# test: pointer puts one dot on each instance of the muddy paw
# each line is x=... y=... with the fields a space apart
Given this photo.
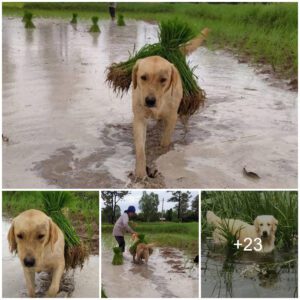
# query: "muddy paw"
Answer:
x=152 y=173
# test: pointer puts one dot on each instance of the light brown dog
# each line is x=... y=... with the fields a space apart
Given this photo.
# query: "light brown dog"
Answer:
x=143 y=251
x=157 y=93
x=39 y=243
x=264 y=229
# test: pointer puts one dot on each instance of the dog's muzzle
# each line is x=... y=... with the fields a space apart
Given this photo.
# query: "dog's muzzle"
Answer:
x=150 y=101
x=265 y=234
x=29 y=262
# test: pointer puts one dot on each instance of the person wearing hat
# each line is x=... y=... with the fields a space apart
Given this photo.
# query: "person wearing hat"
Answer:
x=121 y=227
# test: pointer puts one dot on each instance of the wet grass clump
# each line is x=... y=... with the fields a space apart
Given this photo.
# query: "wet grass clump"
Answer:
x=27 y=19
x=74 y=18
x=118 y=256
x=95 y=27
x=246 y=206
x=174 y=35
x=120 y=20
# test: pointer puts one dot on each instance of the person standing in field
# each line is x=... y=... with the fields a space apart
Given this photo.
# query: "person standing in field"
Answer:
x=112 y=9
x=121 y=227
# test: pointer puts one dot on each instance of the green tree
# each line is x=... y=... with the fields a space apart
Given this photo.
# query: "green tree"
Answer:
x=111 y=200
x=182 y=202
x=169 y=215
x=148 y=205
x=195 y=207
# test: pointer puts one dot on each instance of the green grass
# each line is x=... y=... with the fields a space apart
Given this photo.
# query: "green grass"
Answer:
x=247 y=206
x=179 y=235
x=262 y=33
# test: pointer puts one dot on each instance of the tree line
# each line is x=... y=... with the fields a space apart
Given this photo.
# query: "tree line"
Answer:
x=152 y=208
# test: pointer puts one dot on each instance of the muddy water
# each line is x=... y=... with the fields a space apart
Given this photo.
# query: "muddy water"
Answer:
x=159 y=279
x=66 y=128
x=247 y=276
x=78 y=284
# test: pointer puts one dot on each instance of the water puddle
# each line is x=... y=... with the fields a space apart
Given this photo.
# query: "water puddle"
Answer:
x=67 y=128
x=248 y=276
x=75 y=284
x=166 y=267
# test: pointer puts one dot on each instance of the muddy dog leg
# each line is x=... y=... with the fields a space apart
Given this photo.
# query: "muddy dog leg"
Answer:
x=139 y=131
x=170 y=124
x=56 y=277
x=30 y=278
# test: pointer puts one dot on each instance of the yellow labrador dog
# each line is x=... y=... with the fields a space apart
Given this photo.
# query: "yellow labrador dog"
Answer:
x=157 y=93
x=260 y=236
x=40 y=244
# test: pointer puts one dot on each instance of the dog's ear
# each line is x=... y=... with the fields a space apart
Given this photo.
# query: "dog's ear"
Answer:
x=274 y=224
x=174 y=78
x=134 y=74
x=12 y=239
x=53 y=234
x=256 y=224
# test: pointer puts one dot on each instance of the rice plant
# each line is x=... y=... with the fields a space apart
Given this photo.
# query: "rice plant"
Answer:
x=95 y=27
x=118 y=256
x=28 y=20
x=75 y=251
x=120 y=20
x=74 y=18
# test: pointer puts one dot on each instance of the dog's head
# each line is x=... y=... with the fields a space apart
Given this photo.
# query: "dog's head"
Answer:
x=154 y=76
x=30 y=232
x=265 y=226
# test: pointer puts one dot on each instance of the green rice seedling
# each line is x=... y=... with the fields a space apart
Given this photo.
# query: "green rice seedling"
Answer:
x=173 y=36
x=118 y=256
x=75 y=251
x=95 y=27
x=25 y=16
x=28 y=20
x=103 y=294
x=121 y=21
x=74 y=18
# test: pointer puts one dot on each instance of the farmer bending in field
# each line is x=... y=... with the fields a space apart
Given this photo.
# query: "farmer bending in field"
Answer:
x=121 y=227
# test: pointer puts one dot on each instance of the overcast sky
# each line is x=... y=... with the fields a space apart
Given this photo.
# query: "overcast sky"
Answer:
x=135 y=195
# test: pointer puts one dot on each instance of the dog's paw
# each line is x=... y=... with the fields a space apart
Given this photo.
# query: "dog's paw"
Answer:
x=151 y=173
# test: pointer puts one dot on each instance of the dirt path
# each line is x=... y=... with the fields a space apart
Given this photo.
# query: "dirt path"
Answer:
x=159 y=279
x=67 y=129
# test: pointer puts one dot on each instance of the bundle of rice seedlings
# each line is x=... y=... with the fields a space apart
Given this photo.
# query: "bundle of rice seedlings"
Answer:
x=75 y=251
x=118 y=256
x=28 y=20
x=95 y=27
x=74 y=19
x=176 y=39
x=121 y=21
x=24 y=16
x=141 y=239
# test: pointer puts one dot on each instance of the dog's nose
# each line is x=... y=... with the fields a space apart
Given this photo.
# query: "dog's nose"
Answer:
x=29 y=262
x=265 y=233
x=150 y=101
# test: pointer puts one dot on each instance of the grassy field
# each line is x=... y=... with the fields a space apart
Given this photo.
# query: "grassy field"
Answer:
x=179 y=235
x=247 y=206
x=261 y=33
x=82 y=210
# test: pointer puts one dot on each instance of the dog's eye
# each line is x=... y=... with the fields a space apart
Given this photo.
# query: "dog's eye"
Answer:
x=41 y=236
x=20 y=236
x=144 y=77
x=261 y=224
x=162 y=80
x=269 y=224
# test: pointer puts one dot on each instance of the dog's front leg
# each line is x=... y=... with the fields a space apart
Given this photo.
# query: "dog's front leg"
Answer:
x=139 y=132
x=55 y=283
x=169 y=123
x=30 y=281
